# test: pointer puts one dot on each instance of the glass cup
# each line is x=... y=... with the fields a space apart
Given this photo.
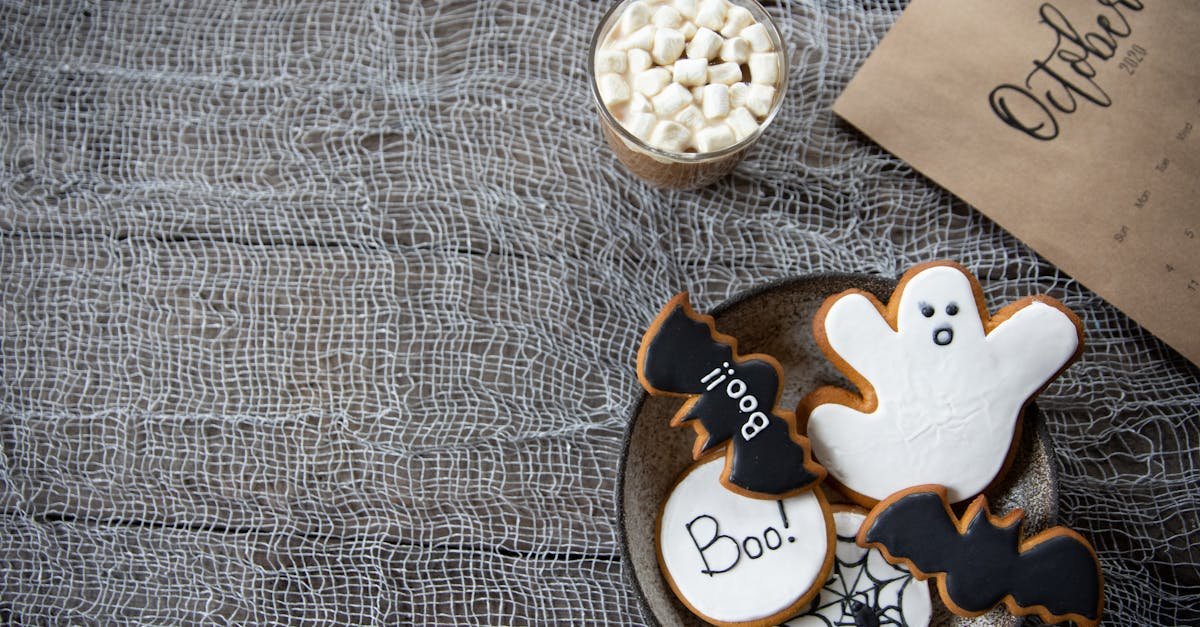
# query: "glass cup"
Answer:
x=680 y=170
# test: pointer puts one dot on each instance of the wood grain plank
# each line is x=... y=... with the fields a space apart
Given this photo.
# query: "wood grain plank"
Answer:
x=70 y=572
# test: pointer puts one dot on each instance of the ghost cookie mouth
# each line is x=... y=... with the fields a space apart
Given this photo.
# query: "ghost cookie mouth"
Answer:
x=943 y=335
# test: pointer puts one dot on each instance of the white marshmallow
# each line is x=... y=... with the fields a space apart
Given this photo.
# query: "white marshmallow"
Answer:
x=669 y=135
x=691 y=71
x=726 y=73
x=668 y=45
x=671 y=99
x=757 y=36
x=689 y=30
x=736 y=19
x=636 y=15
x=698 y=94
x=613 y=89
x=642 y=38
x=691 y=117
x=742 y=122
x=704 y=45
x=736 y=50
x=686 y=8
x=759 y=99
x=667 y=17
x=764 y=68
x=714 y=138
x=610 y=62
x=737 y=94
x=641 y=124
x=639 y=60
x=711 y=14
x=640 y=104
x=715 y=101
x=652 y=81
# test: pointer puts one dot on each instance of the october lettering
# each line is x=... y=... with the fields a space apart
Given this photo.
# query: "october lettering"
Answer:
x=1065 y=76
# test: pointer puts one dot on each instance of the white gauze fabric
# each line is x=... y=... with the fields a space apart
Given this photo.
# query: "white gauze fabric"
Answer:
x=326 y=312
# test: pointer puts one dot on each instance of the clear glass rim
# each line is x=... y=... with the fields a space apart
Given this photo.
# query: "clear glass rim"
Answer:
x=690 y=157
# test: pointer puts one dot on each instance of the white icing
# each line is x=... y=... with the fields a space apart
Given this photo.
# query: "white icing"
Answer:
x=896 y=596
x=767 y=565
x=946 y=414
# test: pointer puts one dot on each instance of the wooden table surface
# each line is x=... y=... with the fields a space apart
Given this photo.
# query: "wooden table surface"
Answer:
x=326 y=312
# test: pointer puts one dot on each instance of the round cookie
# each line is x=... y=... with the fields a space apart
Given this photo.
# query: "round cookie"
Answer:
x=735 y=560
x=864 y=589
x=942 y=384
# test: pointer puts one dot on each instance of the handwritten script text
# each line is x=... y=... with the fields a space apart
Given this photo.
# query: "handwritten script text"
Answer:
x=1064 y=77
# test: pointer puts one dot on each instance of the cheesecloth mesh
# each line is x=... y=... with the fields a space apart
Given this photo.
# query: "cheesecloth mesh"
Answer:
x=327 y=312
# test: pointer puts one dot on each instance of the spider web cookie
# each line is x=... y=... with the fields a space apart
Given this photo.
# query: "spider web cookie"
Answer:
x=863 y=589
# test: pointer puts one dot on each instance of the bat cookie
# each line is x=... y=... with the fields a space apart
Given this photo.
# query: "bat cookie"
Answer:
x=980 y=560
x=864 y=589
x=942 y=384
x=742 y=561
x=733 y=399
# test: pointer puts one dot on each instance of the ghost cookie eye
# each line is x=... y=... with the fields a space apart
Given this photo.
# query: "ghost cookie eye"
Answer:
x=927 y=310
x=952 y=309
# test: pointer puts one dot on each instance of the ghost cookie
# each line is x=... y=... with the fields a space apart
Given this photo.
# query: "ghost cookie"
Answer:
x=863 y=589
x=942 y=384
x=734 y=560
x=980 y=561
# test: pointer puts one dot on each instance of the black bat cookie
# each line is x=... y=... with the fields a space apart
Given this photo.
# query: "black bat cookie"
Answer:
x=981 y=561
x=732 y=399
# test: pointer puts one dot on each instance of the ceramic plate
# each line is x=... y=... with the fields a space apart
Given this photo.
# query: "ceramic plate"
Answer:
x=776 y=319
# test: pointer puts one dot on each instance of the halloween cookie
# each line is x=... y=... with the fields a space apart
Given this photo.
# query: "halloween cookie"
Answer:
x=732 y=402
x=942 y=384
x=863 y=589
x=735 y=560
x=980 y=560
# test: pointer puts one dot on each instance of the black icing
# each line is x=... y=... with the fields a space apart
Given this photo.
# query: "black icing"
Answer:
x=864 y=615
x=927 y=310
x=761 y=382
x=678 y=358
x=952 y=309
x=943 y=335
x=984 y=564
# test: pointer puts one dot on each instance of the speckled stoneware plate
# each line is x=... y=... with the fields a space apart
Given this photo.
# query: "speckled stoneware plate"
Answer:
x=776 y=319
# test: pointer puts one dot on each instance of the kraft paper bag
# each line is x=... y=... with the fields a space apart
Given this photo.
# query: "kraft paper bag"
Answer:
x=1073 y=124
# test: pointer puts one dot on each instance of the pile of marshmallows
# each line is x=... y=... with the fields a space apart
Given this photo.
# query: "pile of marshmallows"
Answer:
x=673 y=73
